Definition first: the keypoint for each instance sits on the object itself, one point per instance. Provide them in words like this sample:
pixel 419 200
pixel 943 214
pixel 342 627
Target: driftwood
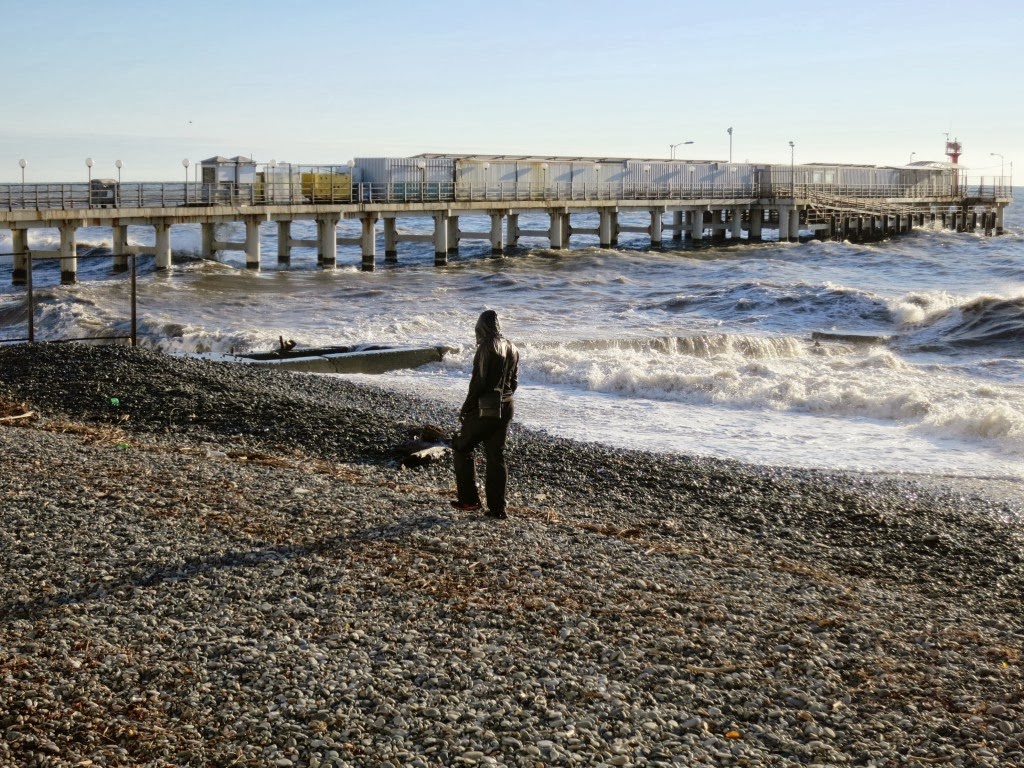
pixel 26 415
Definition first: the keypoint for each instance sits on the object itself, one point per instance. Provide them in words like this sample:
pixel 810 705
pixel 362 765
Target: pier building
pixel 694 200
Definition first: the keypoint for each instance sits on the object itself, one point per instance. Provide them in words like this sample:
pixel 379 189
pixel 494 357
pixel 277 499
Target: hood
pixel 487 326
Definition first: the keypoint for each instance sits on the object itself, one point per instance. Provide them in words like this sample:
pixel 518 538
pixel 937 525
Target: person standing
pixel 485 417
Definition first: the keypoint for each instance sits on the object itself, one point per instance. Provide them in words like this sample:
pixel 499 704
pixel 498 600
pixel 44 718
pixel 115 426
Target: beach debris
pixel 424 445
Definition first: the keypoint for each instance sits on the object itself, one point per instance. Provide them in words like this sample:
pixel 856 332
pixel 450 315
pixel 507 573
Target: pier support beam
pixel 284 242
pixel 755 225
pixel 367 241
pixel 252 244
pixel 512 234
pixel 556 229
pixel 163 244
pixel 657 227
pixel 390 239
pixel 68 252
pixel 784 223
pixel 615 226
pixel 604 227
pixel 736 224
pixel 440 239
pixel 19 246
pixel 697 225
pixel 497 245
pixel 453 234
pixel 677 225
pixel 999 220
pixel 327 241
pixel 119 246
pixel 794 224
pixel 207 236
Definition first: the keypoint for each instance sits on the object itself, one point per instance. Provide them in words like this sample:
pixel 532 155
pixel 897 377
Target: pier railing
pixel 42 197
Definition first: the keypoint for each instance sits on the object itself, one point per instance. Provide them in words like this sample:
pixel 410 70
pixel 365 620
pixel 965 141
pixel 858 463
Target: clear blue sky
pixel 302 81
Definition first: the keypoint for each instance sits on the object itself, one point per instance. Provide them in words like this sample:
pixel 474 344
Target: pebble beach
pixel 210 564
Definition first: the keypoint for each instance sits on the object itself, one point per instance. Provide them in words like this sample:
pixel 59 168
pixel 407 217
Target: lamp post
pixel 268 192
pixel 911 158
pixel 88 191
pixel 729 131
pixel 792 171
pixel 184 164
pixel 672 149
pixel 23 162
pixel 1001 165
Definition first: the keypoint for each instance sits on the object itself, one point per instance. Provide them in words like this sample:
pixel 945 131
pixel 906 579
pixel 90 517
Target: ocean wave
pixel 700 345
pixel 789 375
pixel 984 321
pixel 814 303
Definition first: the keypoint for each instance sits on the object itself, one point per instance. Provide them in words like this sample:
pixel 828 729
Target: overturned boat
pixel 357 358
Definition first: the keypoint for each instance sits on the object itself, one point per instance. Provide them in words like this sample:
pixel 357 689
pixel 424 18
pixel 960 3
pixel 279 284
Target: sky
pixel 151 84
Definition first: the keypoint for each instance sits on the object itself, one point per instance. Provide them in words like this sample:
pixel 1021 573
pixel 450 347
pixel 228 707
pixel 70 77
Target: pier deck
pixel 698 211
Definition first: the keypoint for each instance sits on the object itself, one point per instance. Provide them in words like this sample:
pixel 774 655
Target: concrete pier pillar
pixel 368 241
pixel 284 242
pixel 512 235
pixel 327 241
pixel 657 227
pixel 440 239
pixel 390 239
pixel 604 228
pixel 615 227
pixel 794 224
pixel 163 244
pixel 19 246
pixel 68 252
pixel 736 225
pixel 453 234
pixel 555 234
pixel 207 236
pixel 566 229
pixel 718 225
pixel 497 244
pixel 999 220
pixel 697 225
pixel 677 225
pixel 755 225
pixel 784 223
pixel 119 246
pixel 252 244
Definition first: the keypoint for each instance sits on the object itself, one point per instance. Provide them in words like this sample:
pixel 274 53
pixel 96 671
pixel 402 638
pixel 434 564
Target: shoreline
pixel 226 566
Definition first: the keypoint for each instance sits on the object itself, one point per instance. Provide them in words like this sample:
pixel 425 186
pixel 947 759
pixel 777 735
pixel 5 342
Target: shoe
pixel 497 515
pixel 463 507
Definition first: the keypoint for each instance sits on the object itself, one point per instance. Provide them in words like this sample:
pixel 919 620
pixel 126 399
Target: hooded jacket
pixel 495 364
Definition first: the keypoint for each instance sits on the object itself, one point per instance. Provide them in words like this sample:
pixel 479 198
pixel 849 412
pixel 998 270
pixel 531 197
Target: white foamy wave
pixel 844 382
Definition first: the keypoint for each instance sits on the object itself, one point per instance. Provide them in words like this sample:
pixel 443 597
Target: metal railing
pixel 43 197
pixel 28 260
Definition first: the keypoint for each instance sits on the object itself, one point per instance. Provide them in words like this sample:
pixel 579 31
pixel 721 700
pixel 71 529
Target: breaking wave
pixel 985 321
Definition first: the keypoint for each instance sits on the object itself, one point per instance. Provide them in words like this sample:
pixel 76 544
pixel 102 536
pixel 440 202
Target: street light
pixel 792 171
pixel 88 164
pixel 118 164
pixel 912 158
pixel 729 131
pixel 672 149
pixel 23 162
pixel 1001 166
pixel 184 164
pixel 269 191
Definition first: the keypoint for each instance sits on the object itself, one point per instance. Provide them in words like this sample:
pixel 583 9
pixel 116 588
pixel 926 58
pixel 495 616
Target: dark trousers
pixel 492 432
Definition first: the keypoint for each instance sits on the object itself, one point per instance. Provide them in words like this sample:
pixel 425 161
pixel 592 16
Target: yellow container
pixel 327 187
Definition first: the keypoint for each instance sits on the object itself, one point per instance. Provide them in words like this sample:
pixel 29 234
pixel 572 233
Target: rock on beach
pixel 209 564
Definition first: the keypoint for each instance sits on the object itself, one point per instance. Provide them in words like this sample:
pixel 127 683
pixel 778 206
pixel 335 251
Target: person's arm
pixel 475 382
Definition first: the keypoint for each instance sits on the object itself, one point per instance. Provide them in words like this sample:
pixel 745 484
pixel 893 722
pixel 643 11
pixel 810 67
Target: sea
pixel 704 350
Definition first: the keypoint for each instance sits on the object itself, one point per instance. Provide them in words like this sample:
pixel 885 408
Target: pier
pixel 695 201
